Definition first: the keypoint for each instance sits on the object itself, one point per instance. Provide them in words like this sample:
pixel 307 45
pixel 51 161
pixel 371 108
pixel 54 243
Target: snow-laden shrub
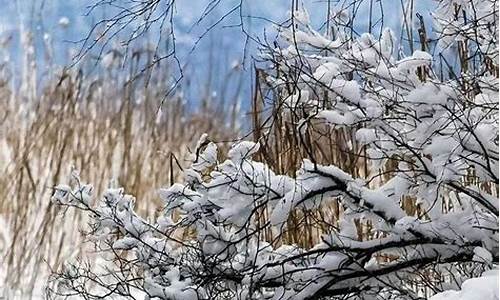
pixel 428 138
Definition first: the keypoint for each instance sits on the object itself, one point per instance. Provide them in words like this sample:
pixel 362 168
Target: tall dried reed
pixel 111 130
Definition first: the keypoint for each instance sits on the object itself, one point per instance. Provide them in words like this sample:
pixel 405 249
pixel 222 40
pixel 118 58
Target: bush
pixel 405 158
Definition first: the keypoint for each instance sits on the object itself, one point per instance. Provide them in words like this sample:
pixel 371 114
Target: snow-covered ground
pixel 481 288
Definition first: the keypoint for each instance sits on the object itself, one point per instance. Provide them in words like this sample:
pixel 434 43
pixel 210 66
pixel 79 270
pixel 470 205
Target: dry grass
pixel 107 129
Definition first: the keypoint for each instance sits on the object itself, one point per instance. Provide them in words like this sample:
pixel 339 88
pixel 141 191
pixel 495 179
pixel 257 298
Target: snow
pixel 428 93
pixel 484 288
pixel 348 89
pixel 64 22
pixel 327 72
pixel 482 255
pixel 337 118
pixel 242 150
pixel 206 159
pixel 418 59
pixel 366 135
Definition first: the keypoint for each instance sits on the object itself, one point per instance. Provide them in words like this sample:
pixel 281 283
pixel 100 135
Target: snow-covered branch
pixel 409 135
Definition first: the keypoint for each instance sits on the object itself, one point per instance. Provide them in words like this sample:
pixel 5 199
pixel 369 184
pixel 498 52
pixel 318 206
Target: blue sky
pixel 217 51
